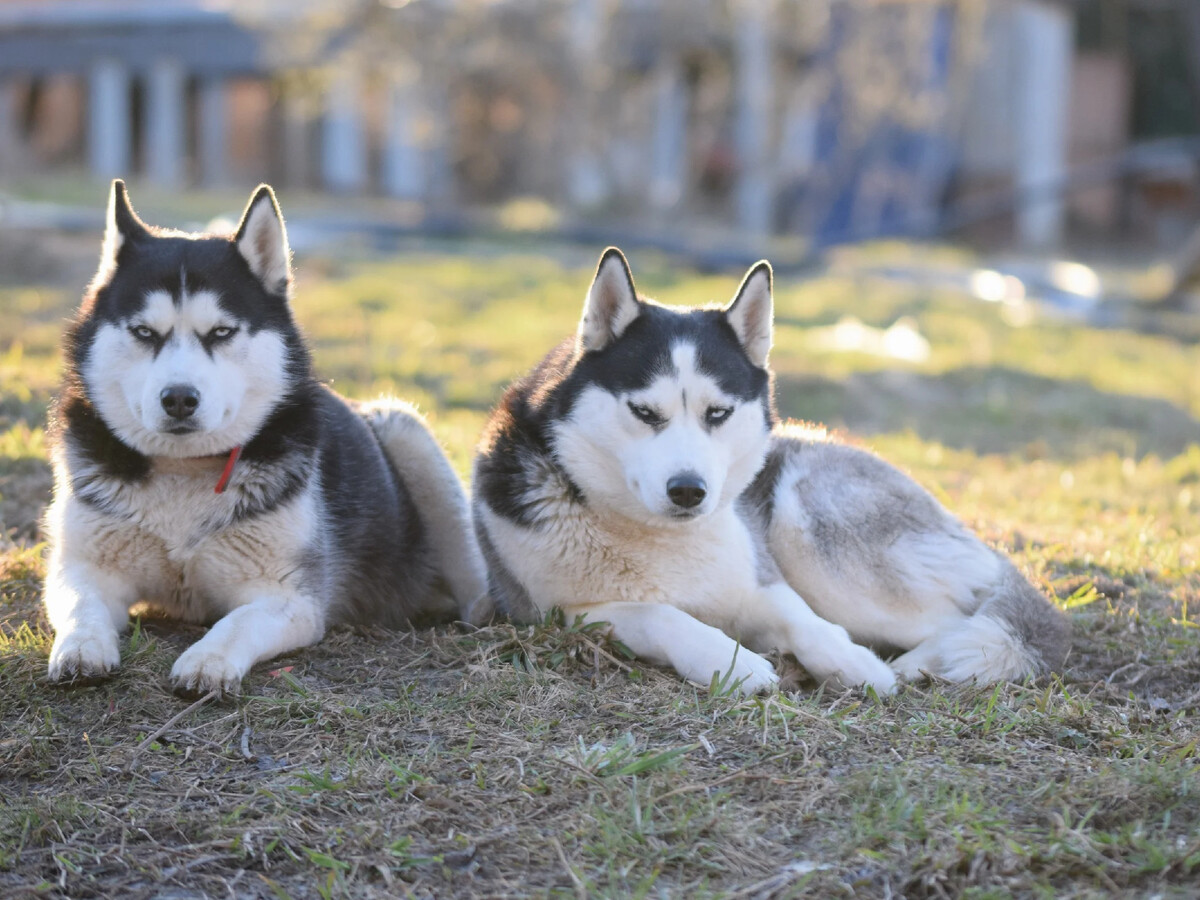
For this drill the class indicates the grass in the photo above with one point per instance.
(542, 761)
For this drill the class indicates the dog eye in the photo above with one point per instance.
(646, 414)
(715, 415)
(142, 333)
(221, 332)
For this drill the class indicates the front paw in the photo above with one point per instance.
(479, 612)
(862, 667)
(751, 673)
(200, 670)
(83, 654)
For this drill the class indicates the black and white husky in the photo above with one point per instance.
(202, 471)
(638, 476)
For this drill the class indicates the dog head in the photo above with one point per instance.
(667, 412)
(185, 343)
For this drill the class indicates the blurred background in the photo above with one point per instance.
(1041, 125)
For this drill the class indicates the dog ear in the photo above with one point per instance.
(751, 313)
(121, 224)
(261, 238)
(611, 303)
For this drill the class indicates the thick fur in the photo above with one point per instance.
(573, 486)
(873, 551)
(435, 489)
(324, 519)
(796, 543)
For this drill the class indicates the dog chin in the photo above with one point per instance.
(679, 517)
(179, 441)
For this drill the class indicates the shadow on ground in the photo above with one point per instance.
(993, 410)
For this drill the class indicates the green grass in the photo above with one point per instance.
(542, 761)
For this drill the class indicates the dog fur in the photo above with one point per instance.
(183, 349)
(639, 476)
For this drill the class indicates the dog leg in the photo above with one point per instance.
(267, 625)
(781, 620)
(669, 636)
(925, 657)
(88, 607)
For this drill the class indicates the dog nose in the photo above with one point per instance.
(179, 401)
(686, 490)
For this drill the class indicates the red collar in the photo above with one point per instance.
(223, 481)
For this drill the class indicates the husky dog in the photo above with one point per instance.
(203, 472)
(638, 476)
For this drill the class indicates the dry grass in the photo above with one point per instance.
(535, 762)
(544, 762)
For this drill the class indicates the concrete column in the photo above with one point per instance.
(298, 142)
(344, 146)
(1043, 41)
(10, 137)
(668, 172)
(586, 134)
(213, 137)
(166, 106)
(752, 63)
(403, 153)
(109, 120)
(437, 150)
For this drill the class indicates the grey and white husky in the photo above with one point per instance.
(202, 471)
(638, 476)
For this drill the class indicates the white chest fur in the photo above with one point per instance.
(578, 557)
(173, 541)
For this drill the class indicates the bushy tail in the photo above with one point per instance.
(438, 495)
(1016, 633)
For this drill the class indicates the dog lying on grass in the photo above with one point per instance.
(202, 471)
(638, 476)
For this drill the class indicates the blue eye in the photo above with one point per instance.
(646, 414)
(221, 332)
(142, 333)
(715, 415)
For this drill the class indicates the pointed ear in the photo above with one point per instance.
(751, 313)
(611, 303)
(121, 224)
(261, 238)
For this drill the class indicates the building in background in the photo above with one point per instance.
(836, 119)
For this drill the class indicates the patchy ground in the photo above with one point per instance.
(542, 761)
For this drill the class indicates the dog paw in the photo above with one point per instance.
(863, 668)
(83, 655)
(479, 612)
(199, 671)
(752, 673)
(907, 670)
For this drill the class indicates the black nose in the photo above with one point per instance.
(686, 490)
(179, 401)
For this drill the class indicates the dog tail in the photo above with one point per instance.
(1016, 633)
(438, 495)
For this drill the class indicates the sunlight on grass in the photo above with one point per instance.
(23, 442)
(26, 640)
